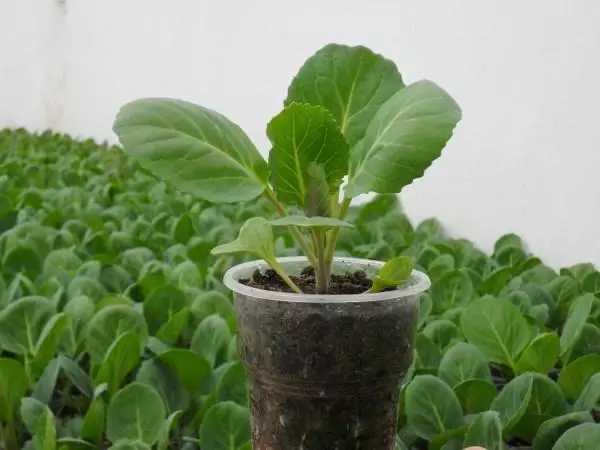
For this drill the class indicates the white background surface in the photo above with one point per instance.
(525, 158)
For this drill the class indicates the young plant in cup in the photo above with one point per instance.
(327, 355)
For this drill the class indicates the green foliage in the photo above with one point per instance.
(121, 328)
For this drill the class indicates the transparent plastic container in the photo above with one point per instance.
(325, 370)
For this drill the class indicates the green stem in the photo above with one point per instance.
(321, 272)
(334, 233)
(294, 230)
(281, 272)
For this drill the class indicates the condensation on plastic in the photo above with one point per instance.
(416, 284)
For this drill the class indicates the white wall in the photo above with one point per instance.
(526, 73)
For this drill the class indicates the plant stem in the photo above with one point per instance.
(281, 272)
(270, 195)
(321, 272)
(334, 233)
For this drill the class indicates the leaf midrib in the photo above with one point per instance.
(503, 347)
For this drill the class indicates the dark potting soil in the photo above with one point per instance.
(325, 375)
(356, 282)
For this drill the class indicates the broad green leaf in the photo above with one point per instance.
(255, 237)
(323, 223)
(94, 421)
(13, 385)
(165, 380)
(439, 266)
(226, 426)
(495, 282)
(551, 430)
(575, 375)
(427, 354)
(197, 150)
(393, 273)
(351, 82)
(211, 340)
(161, 305)
(184, 229)
(581, 437)
(233, 385)
(453, 289)
(578, 316)
(441, 332)
(46, 383)
(130, 445)
(578, 271)
(121, 358)
(303, 134)
(209, 303)
(71, 443)
(192, 368)
(45, 431)
(497, 328)
(463, 362)
(508, 240)
(31, 410)
(513, 400)
(475, 395)
(171, 330)
(588, 342)
(485, 431)
(318, 197)
(547, 402)
(448, 440)
(21, 324)
(405, 136)
(431, 406)
(76, 375)
(110, 323)
(135, 412)
(165, 431)
(540, 355)
(48, 341)
(425, 307)
(590, 396)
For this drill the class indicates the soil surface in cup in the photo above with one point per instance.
(356, 282)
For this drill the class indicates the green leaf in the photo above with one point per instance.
(323, 223)
(135, 412)
(590, 396)
(208, 303)
(441, 332)
(226, 426)
(48, 341)
(581, 437)
(540, 355)
(317, 191)
(197, 150)
(428, 355)
(463, 362)
(130, 445)
(497, 328)
(485, 431)
(21, 323)
(432, 407)
(94, 421)
(351, 82)
(425, 307)
(71, 443)
(31, 410)
(453, 289)
(45, 431)
(578, 316)
(76, 375)
(13, 385)
(165, 380)
(302, 135)
(547, 402)
(393, 273)
(46, 383)
(495, 282)
(110, 323)
(575, 376)
(211, 340)
(549, 432)
(405, 136)
(161, 305)
(513, 400)
(475, 395)
(255, 237)
(121, 358)
(169, 423)
(171, 330)
(192, 368)
(233, 385)
(448, 440)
